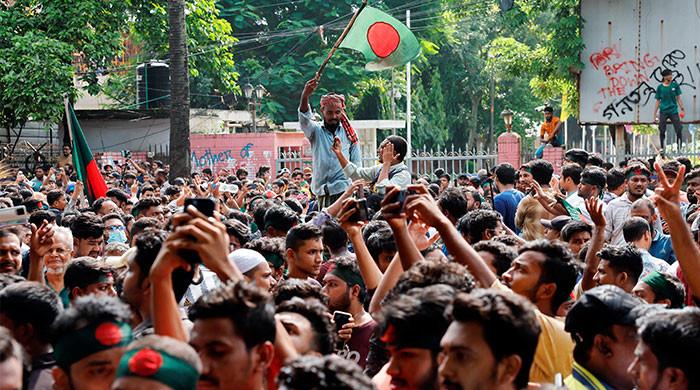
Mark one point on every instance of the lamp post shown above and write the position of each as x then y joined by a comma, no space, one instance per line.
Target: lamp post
507,116
254,95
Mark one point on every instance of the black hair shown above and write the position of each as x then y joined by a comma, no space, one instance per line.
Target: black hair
172,190
616,178
97,204
142,224
477,222
623,258
505,173
294,205
634,228
280,218
25,193
675,294
373,226
666,72
119,194
453,202
84,271
8,279
508,323
427,273
400,146
674,338
148,244
247,306
380,241
267,245
509,240
40,216
334,237
549,109
144,204
574,227
298,288
300,233
239,230
503,255
541,171
559,267
87,225
419,312
316,312
260,210
113,216
31,303
595,159
573,171
11,349
692,174
54,195
323,372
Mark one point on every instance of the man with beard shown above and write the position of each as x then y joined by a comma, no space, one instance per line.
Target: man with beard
10,253
88,234
549,130
329,180
666,354
345,289
50,252
411,327
234,332
490,343
602,323
618,210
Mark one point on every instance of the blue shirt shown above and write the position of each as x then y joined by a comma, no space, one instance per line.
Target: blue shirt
661,247
506,203
329,178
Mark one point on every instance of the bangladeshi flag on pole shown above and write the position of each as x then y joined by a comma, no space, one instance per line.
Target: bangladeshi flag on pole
384,40
84,163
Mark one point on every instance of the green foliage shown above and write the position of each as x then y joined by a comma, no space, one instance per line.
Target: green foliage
35,73
38,42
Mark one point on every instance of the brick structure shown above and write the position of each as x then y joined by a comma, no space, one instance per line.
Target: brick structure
555,156
509,149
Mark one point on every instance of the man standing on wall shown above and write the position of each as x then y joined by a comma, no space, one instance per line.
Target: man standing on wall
329,181
668,100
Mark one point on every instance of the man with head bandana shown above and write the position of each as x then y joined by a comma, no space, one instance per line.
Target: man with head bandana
88,341
329,181
158,363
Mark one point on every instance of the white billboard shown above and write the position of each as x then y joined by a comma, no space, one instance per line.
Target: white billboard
628,44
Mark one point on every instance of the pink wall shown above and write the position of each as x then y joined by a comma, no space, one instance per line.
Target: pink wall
247,150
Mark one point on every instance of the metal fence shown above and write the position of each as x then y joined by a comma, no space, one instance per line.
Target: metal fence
423,162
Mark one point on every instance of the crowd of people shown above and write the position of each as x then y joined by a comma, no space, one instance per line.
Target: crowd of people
339,276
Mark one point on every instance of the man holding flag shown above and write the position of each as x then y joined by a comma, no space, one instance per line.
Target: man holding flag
329,181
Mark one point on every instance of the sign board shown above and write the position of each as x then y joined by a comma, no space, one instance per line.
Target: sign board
627,45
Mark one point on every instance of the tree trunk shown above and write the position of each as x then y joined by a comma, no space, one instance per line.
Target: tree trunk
179,92
473,131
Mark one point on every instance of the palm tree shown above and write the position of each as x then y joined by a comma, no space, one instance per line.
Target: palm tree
179,92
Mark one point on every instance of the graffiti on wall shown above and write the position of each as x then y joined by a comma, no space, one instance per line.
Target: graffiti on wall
631,83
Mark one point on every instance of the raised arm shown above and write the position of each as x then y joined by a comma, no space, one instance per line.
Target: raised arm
427,210
41,241
309,89
595,209
394,215
389,280
667,199
368,268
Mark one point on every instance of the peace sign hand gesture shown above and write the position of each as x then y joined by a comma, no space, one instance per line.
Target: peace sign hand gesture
667,197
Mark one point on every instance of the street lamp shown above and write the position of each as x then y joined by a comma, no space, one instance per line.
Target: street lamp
254,95
507,116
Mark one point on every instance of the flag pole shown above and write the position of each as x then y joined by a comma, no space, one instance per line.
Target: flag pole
340,40
69,120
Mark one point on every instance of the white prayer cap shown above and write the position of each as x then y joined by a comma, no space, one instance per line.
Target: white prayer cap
246,259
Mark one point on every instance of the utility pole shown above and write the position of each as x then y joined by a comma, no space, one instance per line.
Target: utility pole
408,95
179,92
490,135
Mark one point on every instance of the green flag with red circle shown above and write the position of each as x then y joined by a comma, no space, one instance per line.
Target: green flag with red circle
384,40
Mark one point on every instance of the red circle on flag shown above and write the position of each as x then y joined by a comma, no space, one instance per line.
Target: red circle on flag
145,362
108,334
383,39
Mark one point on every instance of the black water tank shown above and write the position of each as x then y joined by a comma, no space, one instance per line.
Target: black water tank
153,84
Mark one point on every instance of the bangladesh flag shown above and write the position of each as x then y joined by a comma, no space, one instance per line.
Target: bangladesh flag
84,163
385,41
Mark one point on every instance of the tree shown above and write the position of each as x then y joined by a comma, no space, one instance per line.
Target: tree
39,41
180,91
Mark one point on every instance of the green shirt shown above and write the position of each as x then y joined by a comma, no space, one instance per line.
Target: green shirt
666,95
